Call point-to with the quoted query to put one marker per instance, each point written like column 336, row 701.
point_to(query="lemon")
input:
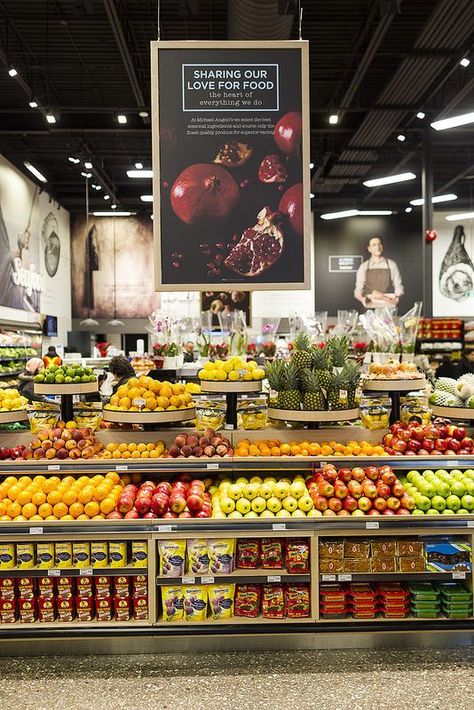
column 211, row 375
column 258, row 373
column 227, row 366
column 251, row 365
column 219, row 364
column 202, row 374
column 248, row 376
column 233, row 376
column 221, row 375
column 209, row 365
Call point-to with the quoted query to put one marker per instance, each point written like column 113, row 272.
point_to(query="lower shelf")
column 234, row 621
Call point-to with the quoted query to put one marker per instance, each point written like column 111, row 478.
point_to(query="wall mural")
column 453, row 268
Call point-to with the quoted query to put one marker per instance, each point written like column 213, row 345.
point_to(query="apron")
column 378, row 280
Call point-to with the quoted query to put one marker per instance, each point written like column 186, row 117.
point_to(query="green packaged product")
column 458, row 614
column 423, row 591
column 425, row 614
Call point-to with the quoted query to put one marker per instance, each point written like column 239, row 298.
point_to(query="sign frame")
column 183, row 46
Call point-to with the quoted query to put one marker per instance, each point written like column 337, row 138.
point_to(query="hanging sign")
column 231, row 178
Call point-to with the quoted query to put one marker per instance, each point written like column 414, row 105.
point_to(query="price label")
column 138, row 402
column 86, row 572
column 207, row 580
column 322, row 464
column 328, row 577
column 189, row 580
column 212, row 466
column 453, row 463
column 36, row 531
column 372, row 525
column 274, row 578
column 229, row 427
column 242, row 372
column 344, row 577
column 279, row 526
column 54, row 467
column 121, row 467
column 470, row 524
column 459, row 575
column 54, row 572
column 166, row 528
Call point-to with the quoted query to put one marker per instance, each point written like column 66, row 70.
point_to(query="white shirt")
column 381, row 264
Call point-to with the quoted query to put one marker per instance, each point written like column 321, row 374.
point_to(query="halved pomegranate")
column 271, row 170
column 287, row 133
column 292, row 205
column 259, row 247
column 233, row 155
column 203, row 191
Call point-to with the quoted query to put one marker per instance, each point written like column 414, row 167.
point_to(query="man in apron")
column 378, row 280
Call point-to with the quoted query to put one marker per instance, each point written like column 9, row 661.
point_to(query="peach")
column 55, row 434
column 88, row 452
column 71, row 444
column 209, row 451
column 51, row 453
column 204, row 441
column 74, row 454
column 180, row 440
column 173, row 452
column 186, row 450
column 216, row 441
column 39, row 453
column 62, row 454
column 66, row 435
column 59, row 444
column 193, row 440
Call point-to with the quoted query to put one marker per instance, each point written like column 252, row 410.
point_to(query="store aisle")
column 329, row 680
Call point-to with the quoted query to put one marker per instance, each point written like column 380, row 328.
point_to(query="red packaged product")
column 248, row 553
column 102, row 592
column 62, row 582
column 271, row 553
column 297, row 556
column 332, row 592
column 140, row 608
column 103, row 581
column 273, row 601
column 46, row 609
column 247, row 600
column 27, row 610
column 122, row 607
column 121, row 590
column 367, row 614
column 7, row 611
column 139, row 585
column 298, row 604
column 7, row 589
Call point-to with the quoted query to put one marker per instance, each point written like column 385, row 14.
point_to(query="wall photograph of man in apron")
column 378, row 280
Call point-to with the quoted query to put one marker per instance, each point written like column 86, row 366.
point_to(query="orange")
column 295, row 450
column 126, row 455
column 304, row 452
column 166, row 391
column 117, row 454
column 154, row 454
column 326, row 450
column 24, row 497
column 107, row 505
column 25, row 478
column 76, row 509
column 49, row 485
column 60, row 509
column 314, row 449
column 96, row 480
column 69, row 497
column 175, row 401
column 45, row 510
column 141, row 447
column 150, row 447
column 5, row 518
column 3, row 508
column 10, row 480
column 107, row 455
column 66, row 517
column 122, row 391
column 111, row 447
column 122, row 447
column 275, row 451
column 35, row 517
column 91, row 508
column 51, row 517
column 135, row 454
column 145, row 455
column 29, row 510
column 132, row 446
column 163, row 401
column 13, row 492
column 112, row 476
column 82, row 516
column 101, row 492
column 54, row 497
column 38, row 498
column 20, row 517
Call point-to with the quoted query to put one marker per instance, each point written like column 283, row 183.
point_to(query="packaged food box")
column 383, row 564
column 221, row 600
column 364, row 614
column 81, row 554
column 332, row 592
column 197, row 556
column 330, row 565
column 26, row 588
column 446, row 556
column 393, row 591
column 221, row 553
column 425, row 606
column 172, row 599
column 247, row 600
column 271, row 553
column 331, row 549
column 63, row 554
column 84, row 610
column 454, row 591
column 172, row 557
column 195, row 603
column 25, row 555
column 298, row 604
column 7, row 555
column 395, row 613
column 99, row 554
column 356, row 564
column 139, row 585
column 425, row 614
column 297, row 556
column 457, row 606
column 357, row 548
column 7, row 588
column 103, row 613
column 122, row 609
column 8, row 610
column 410, row 548
column 247, row 553
column 45, row 555
column 46, row 610
column 117, row 554
column 383, row 548
column 334, row 614
column 103, row 581
column 27, row 610
column 139, row 553
column 273, row 601
column 140, row 608
column 411, row 564
column 423, row 591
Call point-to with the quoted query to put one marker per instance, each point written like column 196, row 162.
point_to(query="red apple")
column 132, row 514
column 194, row 503
column 185, row 514
column 159, row 504
column 143, row 505
column 364, row 504
column 164, row 487
column 369, row 489
column 372, row 473
column 170, row 514
column 340, row 489
column 393, row 503
column 355, row 489
column 398, row 489
column 383, row 490
column 124, row 503
column 343, row 513
column 403, row 511
column 329, row 513
column 320, row 503
column 400, row 446
column 388, row 476
column 150, row 515
column 350, row 503
column 325, row 489
column 345, row 474
column 380, row 504
column 114, row 515
column 388, row 511
column 202, row 514
column 374, row 511
column 414, row 446
column 335, row 504
column 358, row 474
column 177, row 503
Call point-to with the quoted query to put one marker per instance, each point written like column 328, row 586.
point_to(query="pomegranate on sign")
column 272, row 170
column 259, row 247
column 203, row 191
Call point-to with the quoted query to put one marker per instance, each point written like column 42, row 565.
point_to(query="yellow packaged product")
column 117, row 554
column 221, row 555
column 45, row 555
column 195, row 603
column 210, row 414
column 81, row 554
column 42, row 416
column 139, row 553
column 99, row 554
column 198, row 558
column 221, row 600
column 25, row 555
column 7, row 555
column 172, row 557
column 172, row 599
column 63, row 554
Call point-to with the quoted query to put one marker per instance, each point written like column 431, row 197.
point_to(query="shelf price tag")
column 453, row 463
column 54, row 572
column 279, row 526
column 189, row 580
column 274, row 578
column 344, row 577
column 207, row 580
column 372, row 525
column 54, row 467
column 86, row 572
column 121, row 467
column 36, row 531
column 166, row 528
column 470, row 524
column 328, row 577
column 212, row 466
column 229, row 427
column 459, row 574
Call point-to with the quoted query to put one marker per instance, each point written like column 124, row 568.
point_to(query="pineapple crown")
column 337, row 381
column 310, row 379
column 351, row 373
column 292, row 379
column 302, row 342
column 339, row 349
column 276, row 375
column 319, row 358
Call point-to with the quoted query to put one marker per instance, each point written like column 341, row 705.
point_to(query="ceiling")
column 374, row 62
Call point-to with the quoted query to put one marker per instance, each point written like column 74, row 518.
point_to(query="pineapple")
column 290, row 396
column 339, row 350
column 351, row 373
column 337, row 393
column 276, row 375
column 301, row 356
column 313, row 397
column 320, row 364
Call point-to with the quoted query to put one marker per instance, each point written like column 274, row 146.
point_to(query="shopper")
column 378, row 280
column 121, row 370
column 465, row 365
column 188, row 351
column 446, row 368
column 26, row 385
column 52, row 357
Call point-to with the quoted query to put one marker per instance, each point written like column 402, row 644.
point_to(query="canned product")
column 63, row 554
column 99, row 554
column 139, row 553
column 81, row 554
column 45, row 555
column 7, row 555
column 25, row 555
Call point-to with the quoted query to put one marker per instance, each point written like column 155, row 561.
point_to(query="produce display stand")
column 171, row 417
column 313, row 418
column 231, row 390
column 14, row 415
column 66, row 392
column 453, row 412
column 393, row 388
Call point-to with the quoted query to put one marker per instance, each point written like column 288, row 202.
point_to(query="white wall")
column 17, row 201
column 443, row 305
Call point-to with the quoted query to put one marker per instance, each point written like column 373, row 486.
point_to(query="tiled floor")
column 300, row 680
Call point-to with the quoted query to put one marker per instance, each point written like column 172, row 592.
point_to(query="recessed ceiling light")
column 465, row 62
column 86, row 175
column 311, row 195
column 311, row 166
column 34, row 171
column 389, row 179
column 33, row 104
column 420, row 115
column 408, row 209
column 51, row 118
column 121, row 118
column 139, row 166
column 463, row 215
column 114, row 207
column 333, row 119
column 437, row 198
column 146, row 198
column 143, row 114
column 151, row 216
column 340, row 215
column 74, row 160
column 461, row 120
column 98, row 187
column 106, row 197
column 373, row 213
column 12, row 72
column 401, row 137
column 88, row 165
column 140, row 173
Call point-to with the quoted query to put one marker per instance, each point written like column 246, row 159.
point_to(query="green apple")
column 282, row 513
column 286, row 480
column 251, row 514
column 218, row 514
column 242, row 480
column 267, row 514
column 269, row 479
column 299, row 477
column 298, row 489
column 213, row 490
column 458, row 488
column 235, row 514
column 290, row 504
column 439, row 503
column 281, row 489
column 358, row 513
column 441, row 472
column 469, row 472
column 298, row 514
column 251, row 490
column 305, row 503
column 453, row 502
column 432, row 511
column 224, row 487
column 467, row 501
column 412, row 475
column 259, row 504
column 462, row 511
column 447, row 511
column 469, row 486
column 442, row 489
column 256, row 479
column 417, row 511
column 313, row 513
column 243, row 506
column 266, row 490
column 422, row 501
column 427, row 489
column 227, row 505
column 274, row 504
column 234, row 491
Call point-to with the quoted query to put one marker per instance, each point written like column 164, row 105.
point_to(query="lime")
column 68, row 380
column 70, row 372
column 49, row 379
column 39, row 378
column 76, row 379
column 85, row 378
column 59, row 379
